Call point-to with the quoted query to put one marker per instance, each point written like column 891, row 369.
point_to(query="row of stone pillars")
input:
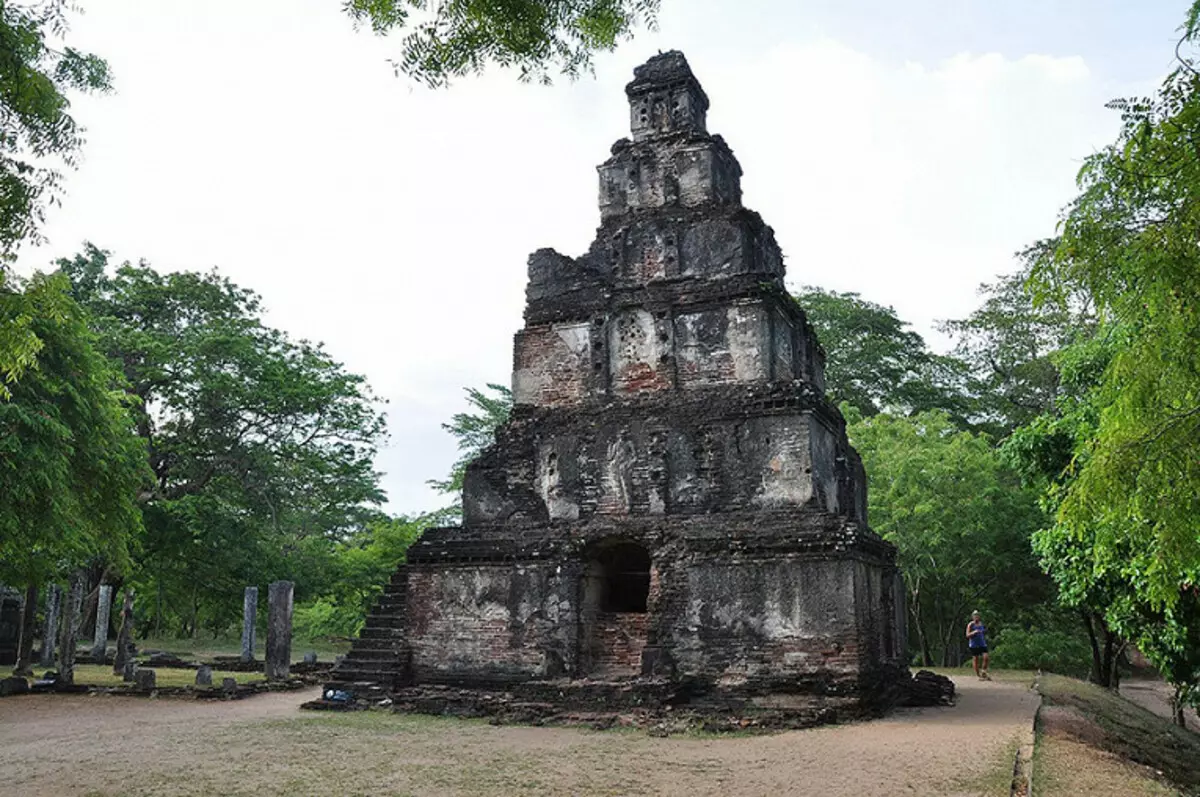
column 278, row 658
column 62, row 619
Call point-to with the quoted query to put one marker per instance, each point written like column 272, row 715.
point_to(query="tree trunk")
column 25, row 641
column 1177, row 708
column 1096, row 675
column 70, row 629
column 125, row 635
column 926, row 654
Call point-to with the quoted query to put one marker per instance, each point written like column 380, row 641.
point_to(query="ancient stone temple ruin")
column 673, row 514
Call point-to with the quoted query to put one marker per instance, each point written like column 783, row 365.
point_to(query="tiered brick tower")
column 673, row 508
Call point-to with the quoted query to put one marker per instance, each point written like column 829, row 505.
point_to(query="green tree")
column 960, row 520
column 256, row 442
column 359, row 568
column 446, row 40
column 876, row 363
column 1009, row 344
column 474, row 431
column 70, row 462
column 40, row 136
column 1127, row 501
column 22, row 305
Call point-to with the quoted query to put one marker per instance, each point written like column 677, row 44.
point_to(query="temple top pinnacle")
column 665, row 98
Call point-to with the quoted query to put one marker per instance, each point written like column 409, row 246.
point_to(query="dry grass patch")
column 1085, row 731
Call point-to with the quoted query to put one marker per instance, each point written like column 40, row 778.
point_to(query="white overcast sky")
column 903, row 150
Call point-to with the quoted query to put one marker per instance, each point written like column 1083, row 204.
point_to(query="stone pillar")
column 125, row 650
column 50, row 629
column 249, row 618
column 68, row 632
column 103, row 607
column 279, row 630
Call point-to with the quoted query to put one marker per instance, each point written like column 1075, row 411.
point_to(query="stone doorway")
column 613, row 615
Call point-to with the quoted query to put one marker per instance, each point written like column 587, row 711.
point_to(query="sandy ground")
column 54, row 745
column 1155, row 695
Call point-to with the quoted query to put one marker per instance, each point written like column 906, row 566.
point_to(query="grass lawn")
column 207, row 647
column 1026, row 677
column 102, row 675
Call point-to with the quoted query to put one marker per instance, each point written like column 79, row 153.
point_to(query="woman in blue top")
column 977, row 643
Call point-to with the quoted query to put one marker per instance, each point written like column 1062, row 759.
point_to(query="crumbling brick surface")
column 673, row 504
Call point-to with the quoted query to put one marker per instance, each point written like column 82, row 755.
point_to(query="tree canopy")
column 70, row 462
column 40, row 136
column 959, row 518
column 446, row 40
column 875, row 362
column 255, row 442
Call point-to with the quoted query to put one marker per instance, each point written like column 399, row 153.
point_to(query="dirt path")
column 265, row 746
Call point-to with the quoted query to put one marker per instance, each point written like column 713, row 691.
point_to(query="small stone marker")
column 128, row 670
column 103, row 607
column 338, row 659
column 50, row 629
column 249, row 618
column 310, row 657
column 144, row 678
column 279, row 630
column 204, row 675
column 229, row 684
column 14, row 685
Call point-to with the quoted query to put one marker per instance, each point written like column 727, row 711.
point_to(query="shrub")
column 1040, row 649
column 322, row 619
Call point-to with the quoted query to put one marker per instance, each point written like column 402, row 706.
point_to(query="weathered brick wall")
column 617, row 644
column 551, row 364
column 490, row 622
column 767, row 620
column 640, row 346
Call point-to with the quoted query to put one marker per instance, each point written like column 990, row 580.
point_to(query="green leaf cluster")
column 70, row 463
column 38, row 135
column 876, row 363
column 959, row 518
column 454, row 38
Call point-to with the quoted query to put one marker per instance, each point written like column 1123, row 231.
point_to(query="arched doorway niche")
column 614, row 607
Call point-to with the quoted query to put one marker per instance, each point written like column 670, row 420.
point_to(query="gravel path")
column 111, row 745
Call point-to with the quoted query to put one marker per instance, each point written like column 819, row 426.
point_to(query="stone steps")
column 378, row 658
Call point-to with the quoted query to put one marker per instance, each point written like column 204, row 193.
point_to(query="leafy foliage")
column 1129, row 240
column 1120, row 453
column 70, row 462
column 261, row 448
column 875, row 363
column 1052, row 650
column 959, row 518
column 38, row 136
column 1009, row 344
column 475, row 431
column 454, row 38
column 360, row 567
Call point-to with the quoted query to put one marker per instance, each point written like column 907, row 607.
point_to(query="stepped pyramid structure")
column 673, row 513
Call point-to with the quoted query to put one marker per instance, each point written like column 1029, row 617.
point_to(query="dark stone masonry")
column 673, row 516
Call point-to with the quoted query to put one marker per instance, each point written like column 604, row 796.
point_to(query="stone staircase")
column 379, row 660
